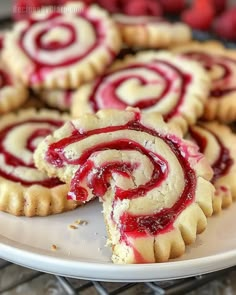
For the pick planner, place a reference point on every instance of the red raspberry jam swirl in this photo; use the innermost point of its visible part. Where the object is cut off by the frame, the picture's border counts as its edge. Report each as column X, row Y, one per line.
column 105, row 92
column 63, row 53
column 12, row 161
column 224, row 161
column 5, row 79
column 134, row 226
column 223, row 84
column 67, row 98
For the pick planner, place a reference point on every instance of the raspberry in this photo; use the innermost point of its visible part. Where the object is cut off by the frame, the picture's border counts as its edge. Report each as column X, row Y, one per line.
column 225, row 25
column 88, row 2
column 219, row 5
column 47, row 3
column 142, row 7
column 113, row 6
column 61, row 2
column 172, row 6
column 200, row 16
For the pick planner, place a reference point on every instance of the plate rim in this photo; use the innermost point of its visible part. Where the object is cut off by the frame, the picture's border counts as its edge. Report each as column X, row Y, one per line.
column 40, row 260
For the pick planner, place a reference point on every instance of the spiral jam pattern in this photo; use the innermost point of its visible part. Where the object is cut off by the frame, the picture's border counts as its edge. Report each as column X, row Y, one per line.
column 222, row 70
column 208, row 140
column 17, row 144
column 151, row 81
column 149, row 86
column 216, row 141
column 128, row 160
column 60, row 40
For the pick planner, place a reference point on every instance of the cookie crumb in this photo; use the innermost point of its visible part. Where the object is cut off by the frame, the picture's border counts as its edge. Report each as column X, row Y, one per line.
column 54, row 247
column 81, row 222
column 71, row 226
column 77, row 221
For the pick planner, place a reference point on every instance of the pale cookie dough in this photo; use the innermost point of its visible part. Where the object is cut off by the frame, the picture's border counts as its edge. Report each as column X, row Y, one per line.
column 62, row 49
column 218, row 144
column 154, row 185
column 151, row 81
column 2, row 36
column 24, row 190
column 13, row 93
column 221, row 66
column 59, row 99
column 151, row 32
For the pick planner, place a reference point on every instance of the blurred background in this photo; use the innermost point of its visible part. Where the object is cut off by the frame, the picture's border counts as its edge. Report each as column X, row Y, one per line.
column 5, row 7
column 218, row 17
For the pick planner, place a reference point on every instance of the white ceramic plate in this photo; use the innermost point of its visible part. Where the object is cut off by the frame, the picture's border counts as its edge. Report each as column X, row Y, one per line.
column 81, row 253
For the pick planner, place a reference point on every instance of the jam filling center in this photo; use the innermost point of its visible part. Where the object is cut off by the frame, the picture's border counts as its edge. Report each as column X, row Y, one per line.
column 56, row 44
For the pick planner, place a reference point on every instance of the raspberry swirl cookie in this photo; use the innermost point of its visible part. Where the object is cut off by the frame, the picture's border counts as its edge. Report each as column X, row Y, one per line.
column 218, row 144
column 151, row 32
column 62, row 49
column 59, row 99
column 221, row 66
column 24, row 190
column 151, row 81
column 153, row 184
column 13, row 93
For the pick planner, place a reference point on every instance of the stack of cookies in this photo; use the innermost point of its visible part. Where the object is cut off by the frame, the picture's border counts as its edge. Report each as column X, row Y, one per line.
column 146, row 133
